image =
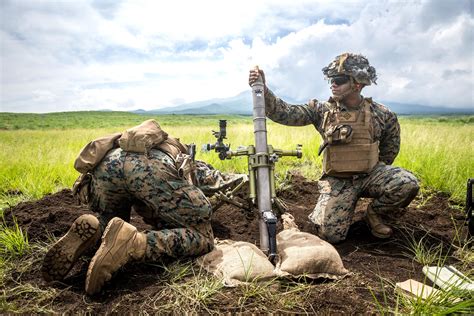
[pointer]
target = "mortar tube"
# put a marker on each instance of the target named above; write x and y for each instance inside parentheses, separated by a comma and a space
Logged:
(263, 170)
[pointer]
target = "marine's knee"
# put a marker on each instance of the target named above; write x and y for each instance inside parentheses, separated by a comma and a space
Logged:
(409, 190)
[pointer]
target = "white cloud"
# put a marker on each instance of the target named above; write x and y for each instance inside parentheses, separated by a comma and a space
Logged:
(58, 56)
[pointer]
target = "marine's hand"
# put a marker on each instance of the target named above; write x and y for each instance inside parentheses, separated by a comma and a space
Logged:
(254, 74)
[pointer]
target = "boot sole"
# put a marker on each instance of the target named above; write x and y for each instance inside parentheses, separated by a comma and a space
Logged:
(60, 259)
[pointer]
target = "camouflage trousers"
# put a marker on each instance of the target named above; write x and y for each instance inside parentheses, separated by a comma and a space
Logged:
(178, 211)
(392, 189)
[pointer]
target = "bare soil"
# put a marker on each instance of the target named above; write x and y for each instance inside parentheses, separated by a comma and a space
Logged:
(368, 258)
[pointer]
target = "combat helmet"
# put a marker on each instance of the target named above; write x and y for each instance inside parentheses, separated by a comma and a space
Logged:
(354, 65)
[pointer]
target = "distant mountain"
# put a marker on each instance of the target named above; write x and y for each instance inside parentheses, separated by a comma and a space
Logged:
(239, 104)
(140, 111)
(417, 109)
(242, 104)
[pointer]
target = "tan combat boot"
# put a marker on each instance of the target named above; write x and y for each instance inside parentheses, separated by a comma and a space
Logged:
(377, 228)
(60, 258)
(121, 242)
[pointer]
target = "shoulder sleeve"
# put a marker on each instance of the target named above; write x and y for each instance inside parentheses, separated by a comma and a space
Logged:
(288, 114)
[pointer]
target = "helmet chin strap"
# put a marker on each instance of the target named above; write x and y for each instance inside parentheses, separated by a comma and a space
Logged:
(352, 88)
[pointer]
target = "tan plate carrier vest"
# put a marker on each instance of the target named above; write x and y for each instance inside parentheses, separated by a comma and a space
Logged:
(355, 155)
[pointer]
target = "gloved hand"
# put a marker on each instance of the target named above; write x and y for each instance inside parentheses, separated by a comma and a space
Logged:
(253, 76)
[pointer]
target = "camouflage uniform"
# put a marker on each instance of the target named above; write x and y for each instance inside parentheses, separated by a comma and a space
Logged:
(391, 187)
(178, 211)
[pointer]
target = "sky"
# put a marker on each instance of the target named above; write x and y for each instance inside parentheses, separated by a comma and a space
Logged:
(125, 55)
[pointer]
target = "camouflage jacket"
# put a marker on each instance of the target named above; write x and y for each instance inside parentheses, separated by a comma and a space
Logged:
(386, 126)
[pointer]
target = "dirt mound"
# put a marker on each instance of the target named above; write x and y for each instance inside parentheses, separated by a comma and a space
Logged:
(365, 256)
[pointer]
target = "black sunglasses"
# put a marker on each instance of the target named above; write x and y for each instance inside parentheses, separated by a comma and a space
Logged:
(339, 80)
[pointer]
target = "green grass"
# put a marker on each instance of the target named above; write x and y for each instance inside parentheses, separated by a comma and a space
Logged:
(441, 154)
(451, 300)
(16, 295)
(38, 150)
(13, 241)
(96, 119)
(18, 257)
(186, 288)
(422, 252)
(448, 302)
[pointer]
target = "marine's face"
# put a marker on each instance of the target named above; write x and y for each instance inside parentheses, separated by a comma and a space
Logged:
(340, 86)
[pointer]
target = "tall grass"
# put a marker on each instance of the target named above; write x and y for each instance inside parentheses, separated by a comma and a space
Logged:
(33, 163)
(441, 155)
(36, 158)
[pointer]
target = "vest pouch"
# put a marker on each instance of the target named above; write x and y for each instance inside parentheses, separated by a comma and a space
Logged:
(93, 153)
(339, 134)
(173, 147)
(350, 159)
(142, 138)
(186, 168)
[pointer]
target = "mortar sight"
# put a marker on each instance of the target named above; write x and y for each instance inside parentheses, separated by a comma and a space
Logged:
(222, 128)
(219, 145)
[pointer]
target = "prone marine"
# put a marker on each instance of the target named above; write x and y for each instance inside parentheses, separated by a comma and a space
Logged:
(153, 173)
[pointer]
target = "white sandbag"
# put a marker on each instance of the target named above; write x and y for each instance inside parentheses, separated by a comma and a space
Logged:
(237, 262)
(304, 254)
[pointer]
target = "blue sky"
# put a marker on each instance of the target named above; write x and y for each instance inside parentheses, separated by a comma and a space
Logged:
(126, 55)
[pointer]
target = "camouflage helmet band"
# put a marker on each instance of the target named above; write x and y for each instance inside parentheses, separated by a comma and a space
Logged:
(353, 65)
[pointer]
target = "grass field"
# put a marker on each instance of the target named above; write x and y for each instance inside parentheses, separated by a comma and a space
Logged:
(38, 150)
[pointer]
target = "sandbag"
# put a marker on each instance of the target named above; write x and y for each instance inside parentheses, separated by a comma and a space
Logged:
(237, 262)
(142, 138)
(304, 254)
(93, 153)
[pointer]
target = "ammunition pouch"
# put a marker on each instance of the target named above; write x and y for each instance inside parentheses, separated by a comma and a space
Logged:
(339, 134)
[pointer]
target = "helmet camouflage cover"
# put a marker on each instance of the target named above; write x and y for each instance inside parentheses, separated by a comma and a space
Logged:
(354, 65)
